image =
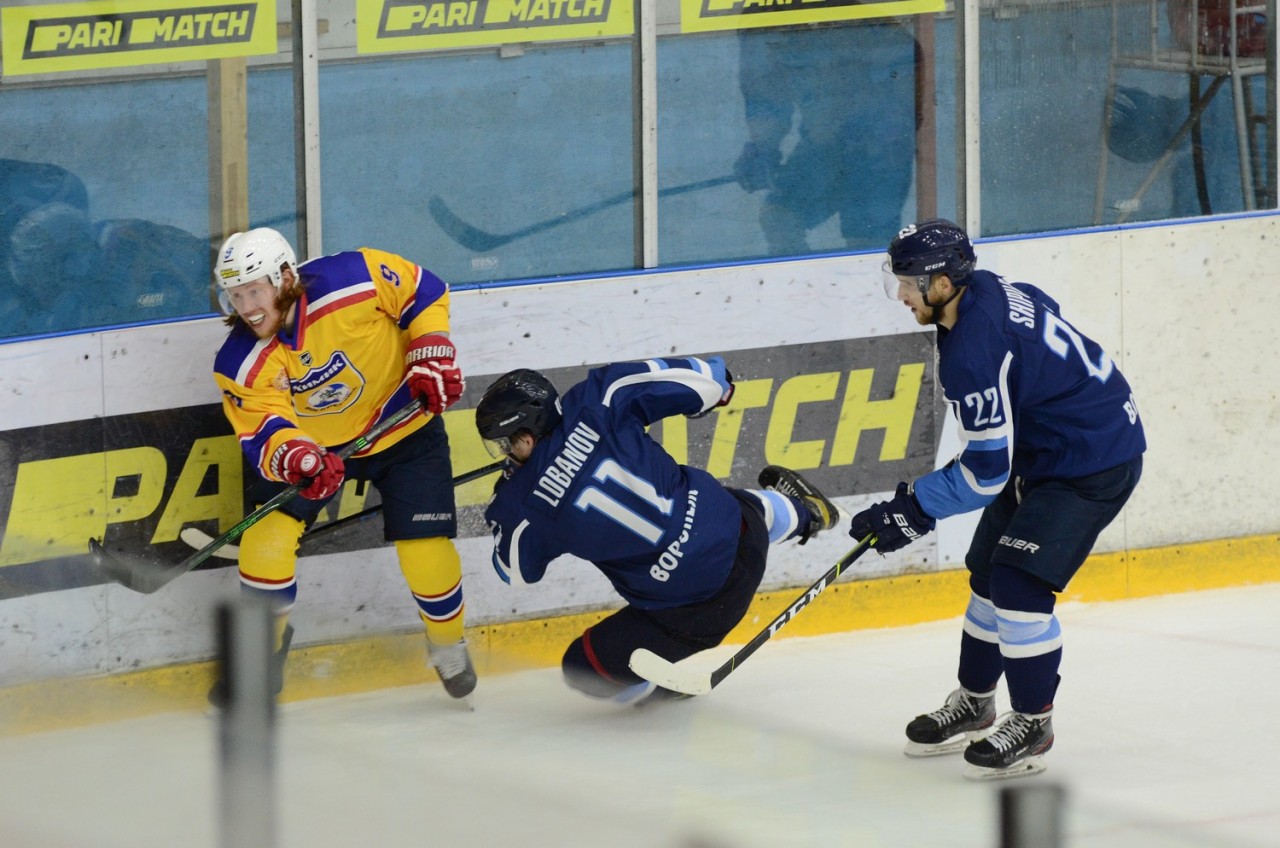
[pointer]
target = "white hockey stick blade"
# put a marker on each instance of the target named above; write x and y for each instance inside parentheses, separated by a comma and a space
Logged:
(198, 539)
(667, 674)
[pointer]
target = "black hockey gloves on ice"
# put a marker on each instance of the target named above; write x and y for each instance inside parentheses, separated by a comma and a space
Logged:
(896, 523)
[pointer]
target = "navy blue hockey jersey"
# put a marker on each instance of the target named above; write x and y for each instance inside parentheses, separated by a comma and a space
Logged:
(601, 489)
(1034, 396)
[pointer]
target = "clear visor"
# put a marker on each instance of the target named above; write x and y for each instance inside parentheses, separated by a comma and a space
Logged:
(898, 285)
(499, 448)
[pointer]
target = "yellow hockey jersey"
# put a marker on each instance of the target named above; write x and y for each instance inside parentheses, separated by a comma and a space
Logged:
(339, 369)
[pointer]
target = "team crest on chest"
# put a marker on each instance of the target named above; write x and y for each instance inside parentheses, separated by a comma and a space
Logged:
(330, 388)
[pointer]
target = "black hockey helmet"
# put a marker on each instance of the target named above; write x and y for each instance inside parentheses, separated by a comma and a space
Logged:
(935, 246)
(519, 400)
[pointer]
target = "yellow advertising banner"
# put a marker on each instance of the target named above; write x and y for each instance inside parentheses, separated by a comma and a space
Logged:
(388, 25)
(712, 15)
(121, 33)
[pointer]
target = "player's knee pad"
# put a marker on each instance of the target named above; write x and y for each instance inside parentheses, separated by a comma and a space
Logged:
(581, 673)
(269, 559)
(980, 619)
(1024, 613)
(430, 564)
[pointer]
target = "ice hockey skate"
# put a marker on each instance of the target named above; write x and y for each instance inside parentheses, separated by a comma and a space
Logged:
(965, 718)
(453, 664)
(823, 514)
(1014, 749)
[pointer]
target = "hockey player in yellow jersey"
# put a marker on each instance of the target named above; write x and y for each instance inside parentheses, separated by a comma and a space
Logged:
(318, 353)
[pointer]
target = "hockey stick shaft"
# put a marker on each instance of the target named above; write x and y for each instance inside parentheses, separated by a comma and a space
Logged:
(146, 577)
(199, 539)
(670, 676)
(474, 238)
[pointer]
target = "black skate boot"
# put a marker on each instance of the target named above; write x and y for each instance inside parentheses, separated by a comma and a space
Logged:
(823, 514)
(1013, 749)
(218, 693)
(964, 718)
(453, 664)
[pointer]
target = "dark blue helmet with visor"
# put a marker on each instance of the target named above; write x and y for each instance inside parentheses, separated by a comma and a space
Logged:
(917, 252)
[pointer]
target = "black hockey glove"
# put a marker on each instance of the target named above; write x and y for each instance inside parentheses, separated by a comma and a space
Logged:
(895, 523)
(755, 166)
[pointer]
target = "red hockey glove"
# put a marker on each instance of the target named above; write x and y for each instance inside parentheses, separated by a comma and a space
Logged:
(299, 461)
(434, 378)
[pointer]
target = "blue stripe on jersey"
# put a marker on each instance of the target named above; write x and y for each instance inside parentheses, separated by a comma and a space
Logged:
(952, 490)
(325, 275)
(430, 289)
(241, 346)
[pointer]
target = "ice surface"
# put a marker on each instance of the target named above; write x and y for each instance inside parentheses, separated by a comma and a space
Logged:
(1164, 721)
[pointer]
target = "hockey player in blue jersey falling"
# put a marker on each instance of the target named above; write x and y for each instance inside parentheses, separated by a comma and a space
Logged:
(1052, 449)
(584, 478)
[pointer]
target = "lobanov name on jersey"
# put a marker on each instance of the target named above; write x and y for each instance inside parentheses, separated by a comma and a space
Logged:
(1022, 309)
(555, 481)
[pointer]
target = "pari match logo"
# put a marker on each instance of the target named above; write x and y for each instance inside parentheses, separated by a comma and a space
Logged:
(391, 25)
(119, 33)
(713, 15)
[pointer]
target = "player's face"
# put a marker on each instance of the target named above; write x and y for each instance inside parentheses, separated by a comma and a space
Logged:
(516, 448)
(255, 303)
(521, 447)
(909, 293)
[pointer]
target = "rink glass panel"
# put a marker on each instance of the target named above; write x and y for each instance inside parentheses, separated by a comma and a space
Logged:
(105, 215)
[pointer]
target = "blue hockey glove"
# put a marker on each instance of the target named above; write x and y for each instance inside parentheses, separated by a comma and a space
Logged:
(895, 523)
(724, 398)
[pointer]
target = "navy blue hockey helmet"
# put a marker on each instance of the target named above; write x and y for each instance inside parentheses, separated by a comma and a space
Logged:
(935, 246)
(519, 400)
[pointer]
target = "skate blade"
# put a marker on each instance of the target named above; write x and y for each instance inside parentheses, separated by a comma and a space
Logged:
(917, 750)
(1025, 768)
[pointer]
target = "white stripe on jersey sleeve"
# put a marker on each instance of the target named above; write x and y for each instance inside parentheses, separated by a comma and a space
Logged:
(345, 291)
(700, 381)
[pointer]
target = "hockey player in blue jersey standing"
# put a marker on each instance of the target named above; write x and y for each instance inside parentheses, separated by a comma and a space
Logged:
(1052, 449)
(584, 478)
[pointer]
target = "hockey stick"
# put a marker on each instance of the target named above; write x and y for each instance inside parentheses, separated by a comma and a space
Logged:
(198, 538)
(145, 576)
(670, 675)
(474, 238)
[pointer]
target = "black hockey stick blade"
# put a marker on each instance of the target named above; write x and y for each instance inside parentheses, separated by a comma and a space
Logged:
(672, 676)
(480, 241)
(146, 576)
(198, 538)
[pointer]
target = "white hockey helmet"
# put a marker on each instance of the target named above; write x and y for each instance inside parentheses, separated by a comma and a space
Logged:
(252, 255)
